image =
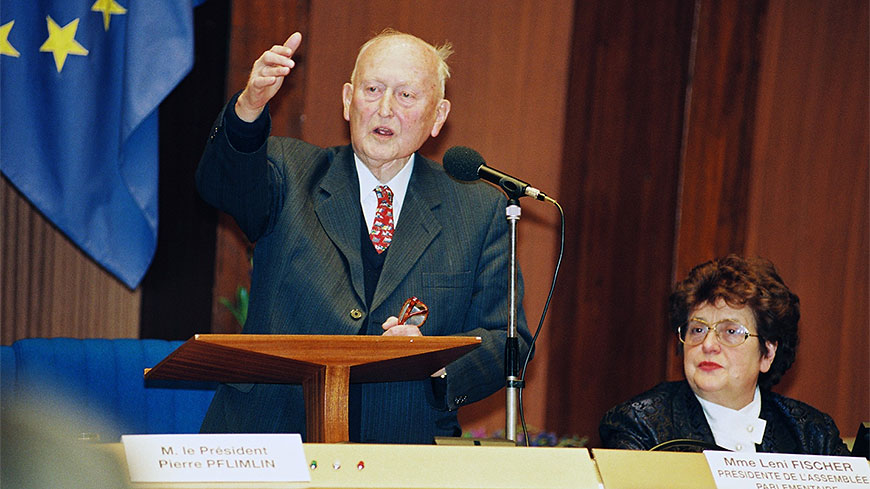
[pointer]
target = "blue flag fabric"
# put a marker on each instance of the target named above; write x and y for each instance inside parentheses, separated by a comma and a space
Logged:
(81, 81)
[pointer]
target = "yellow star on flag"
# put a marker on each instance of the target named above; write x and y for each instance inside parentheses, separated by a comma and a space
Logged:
(5, 46)
(61, 42)
(108, 8)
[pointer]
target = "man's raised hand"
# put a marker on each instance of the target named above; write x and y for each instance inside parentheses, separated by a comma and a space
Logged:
(266, 78)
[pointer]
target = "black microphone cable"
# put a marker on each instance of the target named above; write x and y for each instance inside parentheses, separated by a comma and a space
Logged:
(522, 382)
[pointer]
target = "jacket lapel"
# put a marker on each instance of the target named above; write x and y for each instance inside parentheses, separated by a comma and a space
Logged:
(338, 209)
(689, 413)
(416, 229)
(778, 437)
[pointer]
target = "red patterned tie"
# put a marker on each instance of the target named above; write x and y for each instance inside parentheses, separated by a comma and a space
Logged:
(382, 229)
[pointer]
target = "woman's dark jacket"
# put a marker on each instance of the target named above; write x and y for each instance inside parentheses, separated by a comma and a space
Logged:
(671, 411)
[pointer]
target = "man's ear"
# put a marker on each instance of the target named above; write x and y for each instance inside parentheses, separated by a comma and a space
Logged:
(346, 97)
(767, 359)
(441, 112)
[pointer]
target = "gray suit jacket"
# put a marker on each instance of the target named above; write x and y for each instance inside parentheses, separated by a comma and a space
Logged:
(300, 204)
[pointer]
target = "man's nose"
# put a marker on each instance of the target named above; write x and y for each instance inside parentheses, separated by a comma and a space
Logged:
(385, 107)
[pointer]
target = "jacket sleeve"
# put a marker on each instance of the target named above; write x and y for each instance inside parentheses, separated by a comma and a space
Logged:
(245, 185)
(621, 428)
(825, 433)
(481, 372)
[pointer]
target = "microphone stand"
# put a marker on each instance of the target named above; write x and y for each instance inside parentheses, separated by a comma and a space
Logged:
(511, 354)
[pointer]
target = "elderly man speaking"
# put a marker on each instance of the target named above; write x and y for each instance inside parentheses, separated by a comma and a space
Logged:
(345, 235)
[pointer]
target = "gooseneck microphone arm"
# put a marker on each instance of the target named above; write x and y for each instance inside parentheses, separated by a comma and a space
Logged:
(466, 164)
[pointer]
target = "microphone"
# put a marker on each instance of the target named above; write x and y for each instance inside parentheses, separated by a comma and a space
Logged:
(467, 165)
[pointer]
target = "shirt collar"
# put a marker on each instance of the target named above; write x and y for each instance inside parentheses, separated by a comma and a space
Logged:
(367, 183)
(738, 430)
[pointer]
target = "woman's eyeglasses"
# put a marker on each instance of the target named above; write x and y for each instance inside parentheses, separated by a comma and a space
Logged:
(728, 331)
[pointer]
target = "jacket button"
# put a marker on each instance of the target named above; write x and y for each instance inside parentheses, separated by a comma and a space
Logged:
(356, 313)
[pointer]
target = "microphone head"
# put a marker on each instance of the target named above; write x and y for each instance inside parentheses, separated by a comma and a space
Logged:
(462, 163)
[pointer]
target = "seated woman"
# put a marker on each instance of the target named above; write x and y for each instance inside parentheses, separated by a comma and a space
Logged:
(737, 324)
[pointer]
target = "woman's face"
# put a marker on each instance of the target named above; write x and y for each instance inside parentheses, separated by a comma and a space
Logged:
(726, 375)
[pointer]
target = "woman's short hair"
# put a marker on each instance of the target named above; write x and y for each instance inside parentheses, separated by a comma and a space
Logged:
(740, 282)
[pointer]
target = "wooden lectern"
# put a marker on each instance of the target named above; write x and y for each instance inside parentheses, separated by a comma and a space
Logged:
(325, 365)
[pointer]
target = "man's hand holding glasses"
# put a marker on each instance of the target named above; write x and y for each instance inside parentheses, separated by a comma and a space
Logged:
(412, 316)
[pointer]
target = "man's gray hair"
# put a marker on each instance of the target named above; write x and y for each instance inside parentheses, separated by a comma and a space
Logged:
(441, 52)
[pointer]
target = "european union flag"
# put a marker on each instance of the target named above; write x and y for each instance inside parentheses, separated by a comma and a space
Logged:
(81, 82)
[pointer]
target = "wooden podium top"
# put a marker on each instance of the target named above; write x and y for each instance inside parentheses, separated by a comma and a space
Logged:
(324, 365)
(293, 358)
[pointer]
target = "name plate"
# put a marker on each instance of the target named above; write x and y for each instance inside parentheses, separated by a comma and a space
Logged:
(734, 470)
(216, 458)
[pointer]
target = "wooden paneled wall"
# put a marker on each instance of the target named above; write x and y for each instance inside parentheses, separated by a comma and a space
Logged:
(716, 163)
(630, 72)
(809, 196)
(774, 162)
(49, 287)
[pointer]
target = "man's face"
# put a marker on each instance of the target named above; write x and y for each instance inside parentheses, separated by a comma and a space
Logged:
(394, 104)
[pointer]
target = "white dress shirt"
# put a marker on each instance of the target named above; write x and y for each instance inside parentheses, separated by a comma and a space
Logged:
(367, 183)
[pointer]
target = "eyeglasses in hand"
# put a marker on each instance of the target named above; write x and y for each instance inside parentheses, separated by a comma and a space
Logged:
(414, 312)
